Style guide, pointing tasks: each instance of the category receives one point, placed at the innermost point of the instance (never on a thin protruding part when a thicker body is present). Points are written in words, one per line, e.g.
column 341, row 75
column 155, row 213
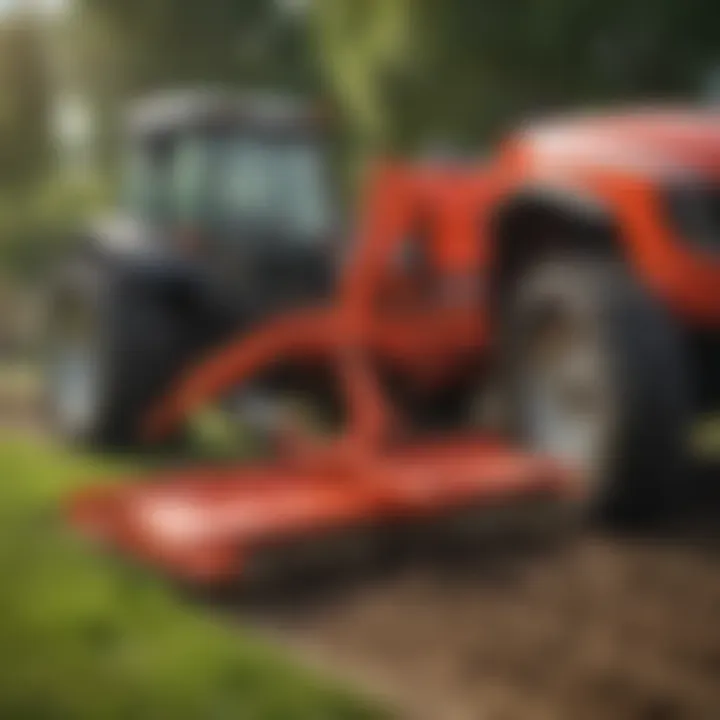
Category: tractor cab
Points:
column 238, row 186
column 225, row 220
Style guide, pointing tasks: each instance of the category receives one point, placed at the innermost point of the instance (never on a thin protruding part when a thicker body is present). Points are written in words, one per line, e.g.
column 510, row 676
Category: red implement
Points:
column 212, row 525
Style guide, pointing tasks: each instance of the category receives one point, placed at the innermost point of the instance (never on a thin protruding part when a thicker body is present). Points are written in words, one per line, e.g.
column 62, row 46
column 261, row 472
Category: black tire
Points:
column 136, row 351
column 639, row 467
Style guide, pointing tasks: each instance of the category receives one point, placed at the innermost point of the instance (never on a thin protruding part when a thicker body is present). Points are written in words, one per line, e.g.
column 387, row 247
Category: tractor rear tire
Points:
column 110, row 351
column 592, row 318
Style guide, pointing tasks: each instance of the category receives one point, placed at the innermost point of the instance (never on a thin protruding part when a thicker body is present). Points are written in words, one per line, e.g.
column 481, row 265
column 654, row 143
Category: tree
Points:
column 410, row 72
column 405, row 73
column 372, row 54
column 127, row 48
column 25, row 103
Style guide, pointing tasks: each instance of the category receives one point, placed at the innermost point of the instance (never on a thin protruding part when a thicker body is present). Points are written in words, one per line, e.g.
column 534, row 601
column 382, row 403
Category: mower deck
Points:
column 211, row 525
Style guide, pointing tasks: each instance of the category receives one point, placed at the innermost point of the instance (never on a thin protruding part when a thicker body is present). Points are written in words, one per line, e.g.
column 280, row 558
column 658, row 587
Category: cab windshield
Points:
column 232, row 182
column 277, row 185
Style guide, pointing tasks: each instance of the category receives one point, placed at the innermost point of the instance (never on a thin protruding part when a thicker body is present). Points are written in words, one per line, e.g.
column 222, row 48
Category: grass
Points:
column 84, row 637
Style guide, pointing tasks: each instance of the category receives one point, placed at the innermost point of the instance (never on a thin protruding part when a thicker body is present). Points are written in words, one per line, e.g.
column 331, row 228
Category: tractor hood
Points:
column 651, row 142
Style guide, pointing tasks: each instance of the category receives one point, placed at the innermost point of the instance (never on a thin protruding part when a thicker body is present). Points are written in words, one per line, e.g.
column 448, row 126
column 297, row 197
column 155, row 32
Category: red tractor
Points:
column 567, row 294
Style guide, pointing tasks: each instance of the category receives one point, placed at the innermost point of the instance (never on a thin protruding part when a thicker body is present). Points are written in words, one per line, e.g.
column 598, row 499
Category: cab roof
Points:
column 170, row 111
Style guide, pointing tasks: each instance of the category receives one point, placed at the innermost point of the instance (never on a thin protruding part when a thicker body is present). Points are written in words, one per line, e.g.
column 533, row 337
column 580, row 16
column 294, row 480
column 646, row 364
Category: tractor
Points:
column 542, row 325
column 226, row 217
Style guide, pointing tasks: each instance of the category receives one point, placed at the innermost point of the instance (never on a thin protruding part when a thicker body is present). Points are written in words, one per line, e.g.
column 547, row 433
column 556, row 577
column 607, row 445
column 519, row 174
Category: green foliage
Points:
column 132, row 47
column 37, row 226
column 84, row 637
column 215, row 435
column 370, row 50
column 25, row 145
column 175, row 42
column 413, row 72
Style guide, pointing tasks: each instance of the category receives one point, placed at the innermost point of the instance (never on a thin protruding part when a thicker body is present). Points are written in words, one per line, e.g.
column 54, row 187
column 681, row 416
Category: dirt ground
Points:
column 599, row 628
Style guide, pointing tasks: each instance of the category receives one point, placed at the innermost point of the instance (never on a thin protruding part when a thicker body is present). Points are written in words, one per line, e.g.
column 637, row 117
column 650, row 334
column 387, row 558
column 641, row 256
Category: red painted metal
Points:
column 206, row 524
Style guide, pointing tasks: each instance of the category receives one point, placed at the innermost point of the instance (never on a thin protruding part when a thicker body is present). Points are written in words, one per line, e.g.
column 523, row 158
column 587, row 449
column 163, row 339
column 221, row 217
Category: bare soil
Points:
column 598, row 628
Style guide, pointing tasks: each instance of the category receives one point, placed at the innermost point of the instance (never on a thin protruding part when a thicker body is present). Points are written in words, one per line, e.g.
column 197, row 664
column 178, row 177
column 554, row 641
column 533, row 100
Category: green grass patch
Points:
column 82, row 636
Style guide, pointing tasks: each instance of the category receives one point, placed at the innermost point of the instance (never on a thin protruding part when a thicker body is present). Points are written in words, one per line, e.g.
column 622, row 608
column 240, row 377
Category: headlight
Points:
column 694, row 212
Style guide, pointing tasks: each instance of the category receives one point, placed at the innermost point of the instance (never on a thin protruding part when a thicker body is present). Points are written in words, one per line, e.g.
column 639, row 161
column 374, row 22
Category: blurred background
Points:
column 398, row 75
